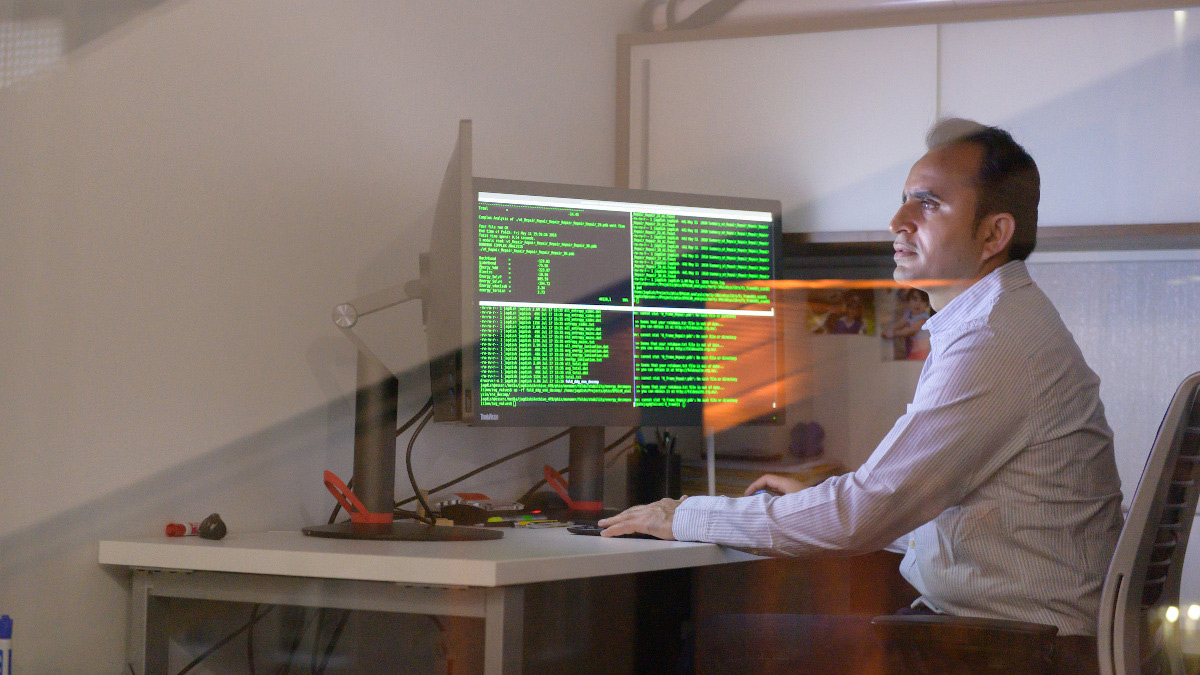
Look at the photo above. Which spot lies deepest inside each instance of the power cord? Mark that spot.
(286, 667)
(255, 617)
(319, 669)
(491, 464)
(337, 507)
(250, 646)
(426, 515)
(565, 470)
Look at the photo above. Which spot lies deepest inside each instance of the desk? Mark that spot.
(483, 579)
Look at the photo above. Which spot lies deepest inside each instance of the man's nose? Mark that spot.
(902, 221)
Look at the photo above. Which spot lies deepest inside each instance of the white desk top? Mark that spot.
(522, 556)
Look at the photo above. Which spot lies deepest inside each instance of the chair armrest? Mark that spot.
(941, 622)
(939, 643)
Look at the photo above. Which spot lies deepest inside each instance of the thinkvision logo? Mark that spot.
(489, 417)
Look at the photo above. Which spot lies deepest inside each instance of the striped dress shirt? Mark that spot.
(1001, 472)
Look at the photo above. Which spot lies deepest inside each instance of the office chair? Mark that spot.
(1143, 579)
(1133, 637)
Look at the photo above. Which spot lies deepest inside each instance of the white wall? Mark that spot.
(184, 201)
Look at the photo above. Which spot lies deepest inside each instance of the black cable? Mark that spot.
(445, 647)
(427, 515)
(337, 507)
(620, 452)
(489, 465)
(565, 470)
(286, 667)
(312, 660)
(621, 438)
(333, 640)
(538, 485)
(250, 648)
(485, 467)
(254, 618)
(412, 420)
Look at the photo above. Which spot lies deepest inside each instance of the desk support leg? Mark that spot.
(147, 643)
(504, 630)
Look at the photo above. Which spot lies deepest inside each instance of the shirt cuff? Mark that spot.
(690, 520)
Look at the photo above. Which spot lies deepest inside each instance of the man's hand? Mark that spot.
(653, 519)
(781, 484)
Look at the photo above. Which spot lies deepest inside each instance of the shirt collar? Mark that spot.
(978, 299)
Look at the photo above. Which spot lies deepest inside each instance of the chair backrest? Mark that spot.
(1143, 580)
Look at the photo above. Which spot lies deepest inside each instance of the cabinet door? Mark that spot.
(1108, 105)
(828, 123)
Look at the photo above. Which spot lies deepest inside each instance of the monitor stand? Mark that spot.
(375, 466)
(585, 447)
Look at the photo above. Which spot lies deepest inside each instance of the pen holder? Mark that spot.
(651, 475)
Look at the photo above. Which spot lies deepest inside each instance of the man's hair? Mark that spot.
(1008, 179)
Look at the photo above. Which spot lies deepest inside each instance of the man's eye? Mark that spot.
(928, 204)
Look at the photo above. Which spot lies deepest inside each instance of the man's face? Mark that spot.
(936, 245)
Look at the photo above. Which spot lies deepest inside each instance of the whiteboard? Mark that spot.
(828, 123)
(1107, 104)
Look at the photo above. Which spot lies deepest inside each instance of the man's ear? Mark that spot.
(996, 231)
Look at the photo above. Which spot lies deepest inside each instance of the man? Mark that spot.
(999, 482)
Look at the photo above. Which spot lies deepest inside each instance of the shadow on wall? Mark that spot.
(269, 467)
(279, 466)
(82, 21)
(36, 34)
(53, 585)
(267, 480)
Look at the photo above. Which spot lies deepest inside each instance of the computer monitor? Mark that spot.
(599, 306)
(564, 305)
(584, 306)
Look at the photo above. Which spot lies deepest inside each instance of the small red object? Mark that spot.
(472, 496)
(353, 505)
(182, 529)
(559, 484)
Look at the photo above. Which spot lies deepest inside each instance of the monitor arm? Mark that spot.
(347, 314)
(372, 501)
(375, 402)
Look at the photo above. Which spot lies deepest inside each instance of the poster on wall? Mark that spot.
(841, 311)
(902, 314)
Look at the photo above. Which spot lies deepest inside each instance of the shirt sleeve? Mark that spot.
(968, 417)
(901, 543)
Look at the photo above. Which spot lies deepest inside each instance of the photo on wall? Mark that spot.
(840, 311)
(903, 313)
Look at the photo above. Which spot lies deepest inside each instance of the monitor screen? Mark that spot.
(601, 307)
